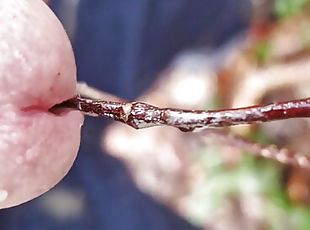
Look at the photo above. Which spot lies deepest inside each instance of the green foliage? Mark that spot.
(262, 51)
(252, 177)
(285, 8)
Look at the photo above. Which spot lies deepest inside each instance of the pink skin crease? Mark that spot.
(37, 71)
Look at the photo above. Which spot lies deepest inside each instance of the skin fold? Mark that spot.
(37, 71)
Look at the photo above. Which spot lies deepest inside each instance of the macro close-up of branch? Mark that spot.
(141, 115)
(191, 115)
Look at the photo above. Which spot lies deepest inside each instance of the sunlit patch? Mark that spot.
(191, 89)
(3, 195)
(63, 204)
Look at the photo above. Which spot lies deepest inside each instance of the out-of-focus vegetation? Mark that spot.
(286, 8)
(265, 194)
(217, 185)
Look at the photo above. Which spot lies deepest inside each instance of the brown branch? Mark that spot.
(141, 115)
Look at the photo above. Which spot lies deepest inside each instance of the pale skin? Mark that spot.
(37, 71)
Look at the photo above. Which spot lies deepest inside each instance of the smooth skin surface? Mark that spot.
(37, 71)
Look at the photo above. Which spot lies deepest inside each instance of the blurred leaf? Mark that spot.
(262, 51)
(305, 36)
(259, 136)
(285, 8)
(301, 217)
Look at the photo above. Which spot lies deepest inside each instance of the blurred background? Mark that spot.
(189, 54)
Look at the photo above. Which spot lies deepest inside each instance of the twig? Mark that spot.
(281, 155)
(141, 115)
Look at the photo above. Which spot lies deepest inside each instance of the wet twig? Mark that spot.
(142, 115)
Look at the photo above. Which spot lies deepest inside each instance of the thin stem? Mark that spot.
(282, 155)
(141, 115)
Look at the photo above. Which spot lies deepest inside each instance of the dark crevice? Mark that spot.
(63, 107)
(57, 109)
